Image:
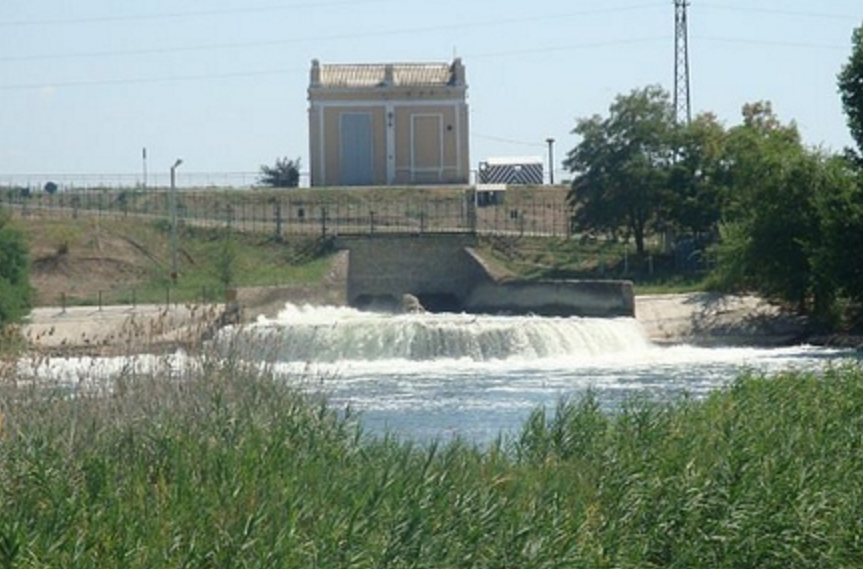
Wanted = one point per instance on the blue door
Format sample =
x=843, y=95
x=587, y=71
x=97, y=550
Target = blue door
x=357, y=168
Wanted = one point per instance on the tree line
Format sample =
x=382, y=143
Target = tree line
x=785, y=220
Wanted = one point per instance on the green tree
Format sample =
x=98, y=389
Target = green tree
x=16, y=294
x=284, y=174
x=835, y=259
x=754, y=152
x=621, y=165
x=770, y=222
x=693, y=205
x=851, y=90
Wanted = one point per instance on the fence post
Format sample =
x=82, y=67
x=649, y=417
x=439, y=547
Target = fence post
x=323, y=221
x=278, y=215
x=470, y=201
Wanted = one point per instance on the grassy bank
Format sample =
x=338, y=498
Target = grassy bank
x=86, y=261
x=92, y=260
x=217, y=465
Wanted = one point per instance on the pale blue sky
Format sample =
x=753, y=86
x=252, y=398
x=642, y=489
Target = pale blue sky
x=85, y=85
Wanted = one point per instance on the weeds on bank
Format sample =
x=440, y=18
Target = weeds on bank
x=218, y=464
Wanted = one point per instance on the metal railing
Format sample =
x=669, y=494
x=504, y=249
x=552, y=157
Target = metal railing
x=528, y=212
x=36, y=182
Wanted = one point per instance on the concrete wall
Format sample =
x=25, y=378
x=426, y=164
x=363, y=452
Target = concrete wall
x=445, y=273
x=438, y=269
x=554, y=298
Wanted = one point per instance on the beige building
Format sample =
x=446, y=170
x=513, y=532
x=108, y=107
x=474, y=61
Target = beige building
x=388, y=124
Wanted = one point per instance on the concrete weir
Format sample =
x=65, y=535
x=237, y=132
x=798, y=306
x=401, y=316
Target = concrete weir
x=444, y=272
x=601, y=299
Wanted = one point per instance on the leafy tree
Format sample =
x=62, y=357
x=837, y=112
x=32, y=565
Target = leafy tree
x=16, y=294
x=840, y=213
x=771, y=225
x=693, y=203
x=284, y=174
x=51, y=188
x=851, y=90
x=621, y=165
x=754, y=152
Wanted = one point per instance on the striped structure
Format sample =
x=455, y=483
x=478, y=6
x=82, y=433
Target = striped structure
x=512, y=171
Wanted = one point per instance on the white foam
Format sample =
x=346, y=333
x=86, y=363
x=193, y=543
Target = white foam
x=335, y=334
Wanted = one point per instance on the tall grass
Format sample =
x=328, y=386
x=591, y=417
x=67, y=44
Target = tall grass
x=218, y=465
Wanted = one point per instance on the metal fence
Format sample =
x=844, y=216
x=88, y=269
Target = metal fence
x=133, y=296
x=154, y=180
x=536, y=211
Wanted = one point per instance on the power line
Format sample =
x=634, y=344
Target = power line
x=188, y=14
x=773, y=43
x=228, y=75
x=357, y=35
x=778, y=12
x=167, y=79
x=197, y=77
x=570, y=47
x=546, y=49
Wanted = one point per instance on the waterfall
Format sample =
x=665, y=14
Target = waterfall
x=337, y=334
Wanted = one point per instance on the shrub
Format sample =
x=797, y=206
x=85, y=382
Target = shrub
x=16, y=293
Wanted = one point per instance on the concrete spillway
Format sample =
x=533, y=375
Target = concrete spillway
x=445, y=273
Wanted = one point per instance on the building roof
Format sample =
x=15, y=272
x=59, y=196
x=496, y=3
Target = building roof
x=360, y=75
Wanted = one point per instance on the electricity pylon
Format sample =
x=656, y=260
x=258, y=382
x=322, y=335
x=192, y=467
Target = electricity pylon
x=682, y=113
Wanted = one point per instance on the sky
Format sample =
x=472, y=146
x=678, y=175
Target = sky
x=85, y=86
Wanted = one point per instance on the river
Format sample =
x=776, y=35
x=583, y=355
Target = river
x=430, y=376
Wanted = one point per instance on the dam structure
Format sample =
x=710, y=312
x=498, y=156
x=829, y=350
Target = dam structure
x=444, y=273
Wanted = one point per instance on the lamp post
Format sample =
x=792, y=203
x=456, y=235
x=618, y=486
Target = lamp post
x=550, y=142
x=144, y=159
x=173, y=212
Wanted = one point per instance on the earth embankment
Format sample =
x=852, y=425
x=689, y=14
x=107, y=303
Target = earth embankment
x=705, y=318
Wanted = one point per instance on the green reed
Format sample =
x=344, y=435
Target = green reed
x=218, y=465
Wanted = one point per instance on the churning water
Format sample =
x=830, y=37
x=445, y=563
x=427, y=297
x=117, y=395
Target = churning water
x=440, y=375
x=426, y=376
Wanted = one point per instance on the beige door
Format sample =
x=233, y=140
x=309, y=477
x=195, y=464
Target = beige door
x=427, y=148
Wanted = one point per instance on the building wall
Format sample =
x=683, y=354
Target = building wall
x=419, y=134
x=429, y=142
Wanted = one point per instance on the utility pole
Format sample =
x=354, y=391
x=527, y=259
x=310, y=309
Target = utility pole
x=173, y=212
x=682, y=113
x=550, y=142
x=144, y=158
